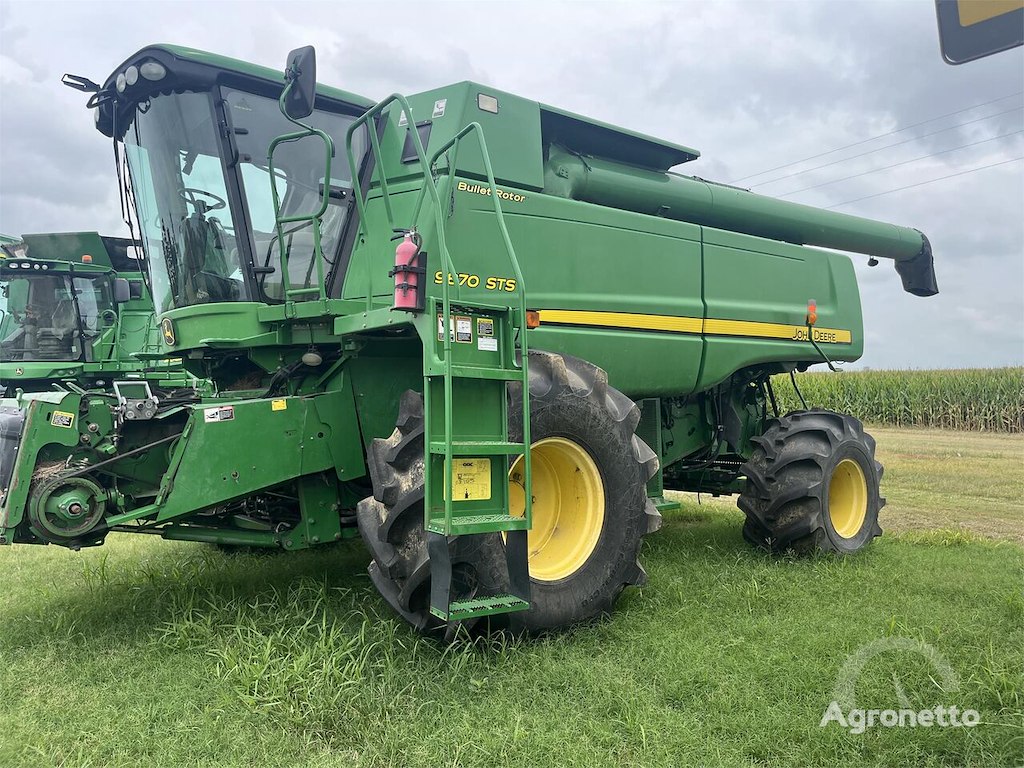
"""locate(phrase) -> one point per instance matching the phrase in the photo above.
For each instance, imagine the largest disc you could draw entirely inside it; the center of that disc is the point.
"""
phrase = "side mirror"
(16, 293)
(300, 74)
(122, 290)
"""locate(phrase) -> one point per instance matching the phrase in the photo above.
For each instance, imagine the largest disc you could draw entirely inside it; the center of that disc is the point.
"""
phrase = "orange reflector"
(86, 258)
(532, 318)
(812, 311)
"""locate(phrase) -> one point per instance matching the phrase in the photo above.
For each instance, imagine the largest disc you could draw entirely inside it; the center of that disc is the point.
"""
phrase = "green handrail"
(364, 120)
(430, 188)
(314, 218)
(453, 144)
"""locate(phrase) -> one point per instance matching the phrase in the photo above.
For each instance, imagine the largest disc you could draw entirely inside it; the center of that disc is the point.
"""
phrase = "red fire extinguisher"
(409, 293)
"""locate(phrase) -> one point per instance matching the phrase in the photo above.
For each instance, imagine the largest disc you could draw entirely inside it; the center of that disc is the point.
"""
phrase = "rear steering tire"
(812, 484)
(590, 508)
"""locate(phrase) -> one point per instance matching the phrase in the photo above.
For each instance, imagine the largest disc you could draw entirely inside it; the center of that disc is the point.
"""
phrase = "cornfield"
(983, 400)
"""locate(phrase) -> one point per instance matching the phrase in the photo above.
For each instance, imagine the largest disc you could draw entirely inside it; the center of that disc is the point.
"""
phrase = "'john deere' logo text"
(167, 329)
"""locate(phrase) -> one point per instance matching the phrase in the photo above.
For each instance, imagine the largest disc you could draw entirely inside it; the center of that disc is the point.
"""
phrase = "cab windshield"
(46, 317)
(198, 244)
(187, 229)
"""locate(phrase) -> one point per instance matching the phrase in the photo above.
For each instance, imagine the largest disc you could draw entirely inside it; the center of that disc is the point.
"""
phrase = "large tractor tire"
(812, 484)
(590, 505)
(391, 525)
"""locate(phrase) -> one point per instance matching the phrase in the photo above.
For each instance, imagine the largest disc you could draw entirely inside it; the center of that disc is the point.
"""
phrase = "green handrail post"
(453, 144)
(430, 188)
(314, 218)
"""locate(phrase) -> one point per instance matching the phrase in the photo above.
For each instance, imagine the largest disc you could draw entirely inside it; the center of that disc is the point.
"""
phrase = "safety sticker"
(440, 328)
(463, 330)
(222, 413)
(471, 480)
(485, 340)
(279, 405)
(62, 419)
(439, 106)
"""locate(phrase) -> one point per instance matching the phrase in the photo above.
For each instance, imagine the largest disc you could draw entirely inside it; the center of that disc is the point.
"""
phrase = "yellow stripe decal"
(622, 320)
(711, 326)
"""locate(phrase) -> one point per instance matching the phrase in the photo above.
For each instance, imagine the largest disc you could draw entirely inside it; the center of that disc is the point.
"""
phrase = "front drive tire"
(812, 484)
(579, 425)
(590, 509)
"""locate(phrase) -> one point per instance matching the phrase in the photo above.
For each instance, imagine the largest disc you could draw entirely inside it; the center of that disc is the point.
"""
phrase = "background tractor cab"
(64, 298)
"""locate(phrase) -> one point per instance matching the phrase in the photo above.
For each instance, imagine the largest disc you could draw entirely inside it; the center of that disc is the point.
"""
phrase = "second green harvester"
(483, 333)
(74, 307)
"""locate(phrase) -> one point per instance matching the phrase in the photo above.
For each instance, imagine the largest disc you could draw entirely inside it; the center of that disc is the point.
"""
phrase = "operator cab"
(49, 312)
(192, 132)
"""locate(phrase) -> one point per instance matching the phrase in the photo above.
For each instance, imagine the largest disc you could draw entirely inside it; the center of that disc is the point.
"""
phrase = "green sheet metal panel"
(763, 287)
(594, 265)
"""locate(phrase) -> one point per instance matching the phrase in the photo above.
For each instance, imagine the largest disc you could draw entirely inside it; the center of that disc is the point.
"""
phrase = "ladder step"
(473, 372)
(469, 524)
(459, 610)
(480, 448)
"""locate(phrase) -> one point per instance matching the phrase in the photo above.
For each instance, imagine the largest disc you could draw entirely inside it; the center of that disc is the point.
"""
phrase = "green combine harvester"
(482, 333)
(74, 307)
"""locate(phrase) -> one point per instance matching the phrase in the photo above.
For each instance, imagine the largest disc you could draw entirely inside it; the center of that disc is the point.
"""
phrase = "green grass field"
(146, 652)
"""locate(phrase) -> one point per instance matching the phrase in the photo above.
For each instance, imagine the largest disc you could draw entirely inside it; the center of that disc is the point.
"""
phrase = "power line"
(887, 146)
(879, 136)
(930, 181)
(894, 165)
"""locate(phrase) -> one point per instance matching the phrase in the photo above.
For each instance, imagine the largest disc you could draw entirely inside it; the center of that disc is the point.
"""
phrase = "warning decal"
(471, 479)
(223, 413)
(62, 419)
(440, 328)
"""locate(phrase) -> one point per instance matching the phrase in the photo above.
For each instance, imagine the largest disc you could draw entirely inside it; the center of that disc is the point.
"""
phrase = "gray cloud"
(752, 85)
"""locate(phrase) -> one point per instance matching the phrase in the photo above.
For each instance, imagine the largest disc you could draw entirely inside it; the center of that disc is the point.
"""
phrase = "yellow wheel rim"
(847, 498)
(568, 507)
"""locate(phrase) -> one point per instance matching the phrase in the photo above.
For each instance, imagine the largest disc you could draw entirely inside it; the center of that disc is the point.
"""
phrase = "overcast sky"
(751, 85)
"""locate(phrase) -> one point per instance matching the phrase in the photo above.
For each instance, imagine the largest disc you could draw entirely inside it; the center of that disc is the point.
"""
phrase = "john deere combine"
(482, 332)
(74, 308)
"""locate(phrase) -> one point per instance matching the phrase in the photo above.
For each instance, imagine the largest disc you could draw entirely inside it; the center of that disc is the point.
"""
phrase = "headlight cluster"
(148, 70)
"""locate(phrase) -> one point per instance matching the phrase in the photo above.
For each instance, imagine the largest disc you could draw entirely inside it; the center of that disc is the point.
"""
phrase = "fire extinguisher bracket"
(404, 286)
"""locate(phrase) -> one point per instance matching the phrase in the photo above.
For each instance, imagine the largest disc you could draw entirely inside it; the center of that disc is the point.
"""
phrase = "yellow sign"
(471, 479)
(972, 29)
(62, 419)
(975, 11)
(279, 405)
